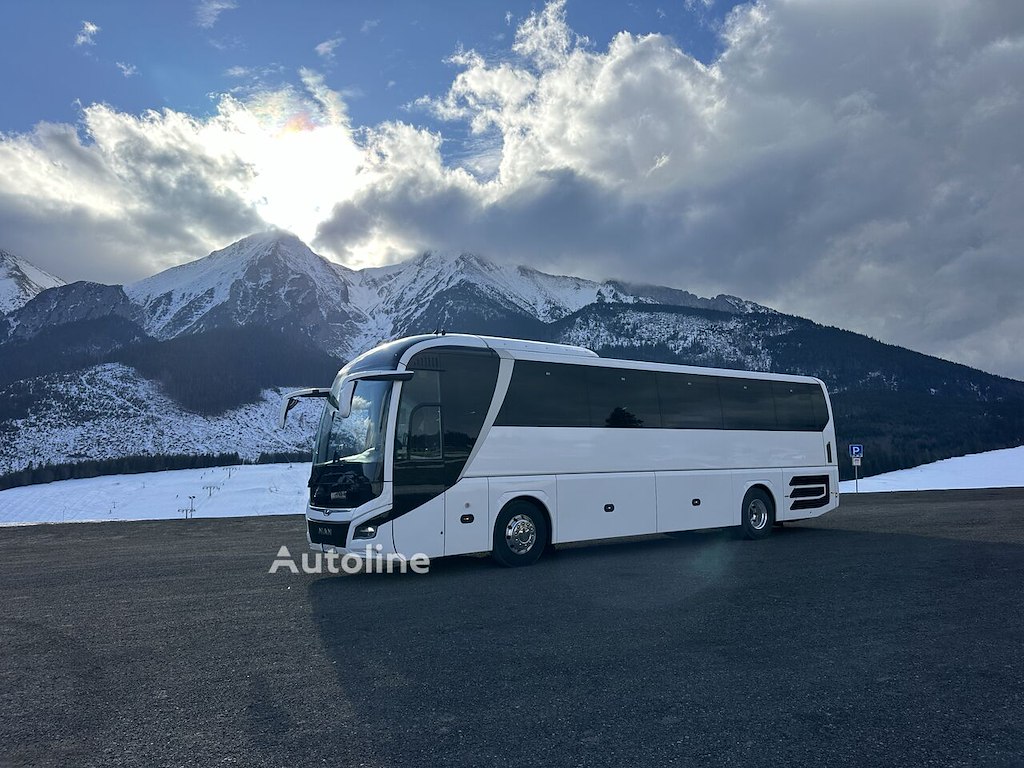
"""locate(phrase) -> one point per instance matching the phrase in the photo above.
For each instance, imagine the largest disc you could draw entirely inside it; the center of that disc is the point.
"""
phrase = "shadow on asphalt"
(680, 648)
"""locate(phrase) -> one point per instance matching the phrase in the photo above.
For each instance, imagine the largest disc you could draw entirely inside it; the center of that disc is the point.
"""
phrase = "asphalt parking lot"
(890, 632)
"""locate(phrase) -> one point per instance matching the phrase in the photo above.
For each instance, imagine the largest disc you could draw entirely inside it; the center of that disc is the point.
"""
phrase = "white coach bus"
(455, 444)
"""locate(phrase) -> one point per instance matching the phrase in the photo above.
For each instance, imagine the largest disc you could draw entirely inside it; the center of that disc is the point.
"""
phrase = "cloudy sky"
(859, 162)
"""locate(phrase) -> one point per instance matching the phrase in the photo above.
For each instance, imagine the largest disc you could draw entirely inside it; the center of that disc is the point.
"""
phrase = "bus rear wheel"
(520, 534)
(757, 514)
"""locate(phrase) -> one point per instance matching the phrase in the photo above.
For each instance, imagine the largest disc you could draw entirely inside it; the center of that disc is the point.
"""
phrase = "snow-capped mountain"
(274, 280)
(20, 281)
(183, 361)
(271, 279)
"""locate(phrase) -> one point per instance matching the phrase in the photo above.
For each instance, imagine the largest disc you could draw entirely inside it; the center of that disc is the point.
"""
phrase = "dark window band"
(564, 395)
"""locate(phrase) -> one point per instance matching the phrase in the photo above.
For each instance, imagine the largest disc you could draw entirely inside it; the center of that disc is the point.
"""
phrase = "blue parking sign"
(856, 451)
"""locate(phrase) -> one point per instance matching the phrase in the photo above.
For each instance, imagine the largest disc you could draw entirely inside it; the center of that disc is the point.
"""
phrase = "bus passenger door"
(418, 487)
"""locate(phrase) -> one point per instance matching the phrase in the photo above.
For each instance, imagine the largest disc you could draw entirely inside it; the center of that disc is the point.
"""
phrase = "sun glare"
(302, 163)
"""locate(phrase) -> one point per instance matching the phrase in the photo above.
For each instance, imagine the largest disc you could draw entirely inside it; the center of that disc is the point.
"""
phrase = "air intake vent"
(809, 491)
(426, 363)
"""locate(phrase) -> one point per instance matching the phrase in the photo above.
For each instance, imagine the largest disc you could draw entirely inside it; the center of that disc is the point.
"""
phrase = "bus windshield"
(359, 437)
(348, 464)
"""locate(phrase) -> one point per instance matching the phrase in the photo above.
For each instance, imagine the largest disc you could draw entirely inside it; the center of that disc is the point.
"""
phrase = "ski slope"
(265, 489)
(992, 469)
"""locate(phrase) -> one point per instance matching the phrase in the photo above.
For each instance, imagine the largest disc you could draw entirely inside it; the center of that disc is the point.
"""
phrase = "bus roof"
(390, 355)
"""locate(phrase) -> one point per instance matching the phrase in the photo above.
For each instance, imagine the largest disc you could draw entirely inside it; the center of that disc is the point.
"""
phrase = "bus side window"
(747, 403)
(423, 440)
(623, 398)
(689, 401)
(415, 419)
(794, 407)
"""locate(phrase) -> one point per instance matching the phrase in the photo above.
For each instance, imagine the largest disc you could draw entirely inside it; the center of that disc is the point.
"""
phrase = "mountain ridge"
(274, 279)
(213, 334)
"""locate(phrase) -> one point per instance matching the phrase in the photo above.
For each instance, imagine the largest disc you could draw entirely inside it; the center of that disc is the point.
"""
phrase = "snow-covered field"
(993, 469)
(280, 489)
(266, 489)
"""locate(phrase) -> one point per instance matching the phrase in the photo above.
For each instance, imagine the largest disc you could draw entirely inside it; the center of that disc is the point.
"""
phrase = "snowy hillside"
(716, 339)
(267, 489)
(992, 469)
(116, 413)
(20, 281)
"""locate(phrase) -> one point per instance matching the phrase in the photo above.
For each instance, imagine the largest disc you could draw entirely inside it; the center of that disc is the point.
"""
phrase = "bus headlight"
(365, 531)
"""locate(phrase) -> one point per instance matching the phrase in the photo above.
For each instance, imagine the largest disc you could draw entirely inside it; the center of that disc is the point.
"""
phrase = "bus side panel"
(744, 479)
(569, 450)
(808, 492)
(421, 530)
(502, 490)
(606, 505)
(467, 526)
(691, 500)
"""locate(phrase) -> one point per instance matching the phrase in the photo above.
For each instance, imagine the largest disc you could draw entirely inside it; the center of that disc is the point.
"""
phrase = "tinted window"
(689, 402)
(417, 430)
(794, 407)
(623, 398)
(546, 395)
(467, 388)
(440, 413)
(424, 435)
(747, 403)
(820, 407)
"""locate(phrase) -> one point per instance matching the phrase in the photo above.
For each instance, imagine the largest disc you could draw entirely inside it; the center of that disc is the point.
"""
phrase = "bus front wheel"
(520, 534)
(758, 514)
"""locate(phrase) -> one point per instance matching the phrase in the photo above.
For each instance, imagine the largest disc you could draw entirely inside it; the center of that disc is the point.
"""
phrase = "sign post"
(856, 454)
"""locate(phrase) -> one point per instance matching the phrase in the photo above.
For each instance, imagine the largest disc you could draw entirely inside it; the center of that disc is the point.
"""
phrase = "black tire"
(757, 515)
(520, 534)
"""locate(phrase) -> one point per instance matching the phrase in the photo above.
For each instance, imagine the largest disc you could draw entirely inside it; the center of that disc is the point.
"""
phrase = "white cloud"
(133, 194)
(127, 69)
(87, 34)
(208, 11)
(325, 50)
(369, 25)
(855, 161)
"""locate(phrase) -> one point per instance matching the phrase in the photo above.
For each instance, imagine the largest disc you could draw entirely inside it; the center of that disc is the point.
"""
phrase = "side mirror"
(345, 398)
(292, 399)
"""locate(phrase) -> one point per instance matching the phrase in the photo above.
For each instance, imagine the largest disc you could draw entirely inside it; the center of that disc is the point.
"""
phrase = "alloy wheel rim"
(520, 534)
(757, 514)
